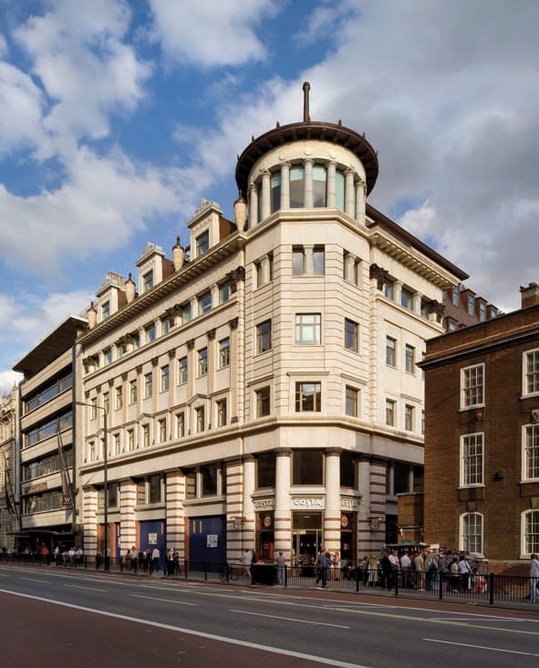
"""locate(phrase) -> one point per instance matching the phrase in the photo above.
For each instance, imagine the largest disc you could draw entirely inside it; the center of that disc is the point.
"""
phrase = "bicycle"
(228, 573)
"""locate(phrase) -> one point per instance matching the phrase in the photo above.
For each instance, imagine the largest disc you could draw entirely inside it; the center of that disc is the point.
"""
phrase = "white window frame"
(479, 404)
(525, 458)
(525, 391)
(462, 467)
(524, 545)
(393, 350)
(301, 327)
(411, 369)
(463, 546)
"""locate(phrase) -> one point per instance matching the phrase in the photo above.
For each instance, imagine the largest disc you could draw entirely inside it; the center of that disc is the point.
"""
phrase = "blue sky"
(118, 116)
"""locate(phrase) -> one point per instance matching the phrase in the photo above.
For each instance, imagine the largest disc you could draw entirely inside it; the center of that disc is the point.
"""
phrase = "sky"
(118, 116)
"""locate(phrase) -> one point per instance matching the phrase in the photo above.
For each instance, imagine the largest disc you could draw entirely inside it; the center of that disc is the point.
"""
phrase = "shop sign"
(264, 504)
(349, 503)
(308, 503)
(152, 539)
(212, 540)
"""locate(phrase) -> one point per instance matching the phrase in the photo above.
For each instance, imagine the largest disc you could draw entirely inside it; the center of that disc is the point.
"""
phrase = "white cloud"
(211, 34)
(7, 380)
(85, 68)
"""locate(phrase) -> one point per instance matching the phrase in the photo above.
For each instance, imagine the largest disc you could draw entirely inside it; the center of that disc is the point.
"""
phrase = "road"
(52, 617)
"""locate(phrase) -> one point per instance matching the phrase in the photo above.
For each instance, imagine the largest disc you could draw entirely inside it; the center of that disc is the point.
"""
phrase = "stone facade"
(8, 476)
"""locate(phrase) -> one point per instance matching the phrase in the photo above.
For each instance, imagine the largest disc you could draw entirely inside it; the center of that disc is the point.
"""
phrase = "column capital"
(233, 324)
(171, 354)
(190, 344)
(211, 334)
(283, 452)
(333, 451)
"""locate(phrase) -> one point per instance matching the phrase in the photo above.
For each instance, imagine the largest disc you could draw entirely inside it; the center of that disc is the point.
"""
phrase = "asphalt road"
(56, 618)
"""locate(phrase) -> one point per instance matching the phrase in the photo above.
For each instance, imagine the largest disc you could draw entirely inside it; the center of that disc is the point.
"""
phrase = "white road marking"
(35, 580)
(164, 600)
(199, 634)
(87, 588)
(490, 649)
(290, 619)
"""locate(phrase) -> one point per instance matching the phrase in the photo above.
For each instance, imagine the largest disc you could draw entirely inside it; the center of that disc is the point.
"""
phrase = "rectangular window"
(409, 359)
(224, 353)
(319, 260)
(182, 370)
(131, 440)
(225, 291)
(297, 186)
(165, 378)
(105, 310)
(388, 288)
(472, 533)
(204, 303)
(472, 458)
(307, 467)
(298, 261)
(180, 425)
(162, 431)
(166, 325)
(275, 184)
(93, 408)
(531, 452)
(106, 403)
(150, 333)
(471, 305)
(351, 335)
(202, 362)
(200, 418)
(531, 372)
(391, 351)
(263, 405)
(133, 391)
(308, 329)
(390, 412)
(472, 386)
(308, 397)
(145, 435)
(456, 297)
(148, 385)
(116, 444)
(407, 299)
(531, 532)
(203, 243)
(263, 336)
(265, 469)
(409, 417)
(482, 311)
(352, 401)
(208, 476)
(154, 489)
(348, 470)
(185, 313)
(107, 356)
(119, 398)
(221, 413)
(147, 281)
(319, 185)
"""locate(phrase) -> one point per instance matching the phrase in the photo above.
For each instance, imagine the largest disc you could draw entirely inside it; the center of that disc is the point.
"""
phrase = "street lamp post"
(106, 558)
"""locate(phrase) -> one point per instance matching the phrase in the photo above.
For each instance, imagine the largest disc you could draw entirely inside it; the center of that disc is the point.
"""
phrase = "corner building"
(261, 387)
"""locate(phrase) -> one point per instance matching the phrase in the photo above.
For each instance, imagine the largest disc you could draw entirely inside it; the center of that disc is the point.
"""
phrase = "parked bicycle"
(229, 572)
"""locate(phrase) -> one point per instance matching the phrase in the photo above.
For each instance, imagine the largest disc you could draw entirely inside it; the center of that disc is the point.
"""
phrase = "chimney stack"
(178, 255)
(529, 295)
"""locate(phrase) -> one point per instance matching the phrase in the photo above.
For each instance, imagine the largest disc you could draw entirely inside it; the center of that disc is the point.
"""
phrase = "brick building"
(482, 437)
(463, 307)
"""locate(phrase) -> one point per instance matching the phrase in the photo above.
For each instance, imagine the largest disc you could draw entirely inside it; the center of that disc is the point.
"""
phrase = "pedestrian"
(386, 566)
(464, 571)
(281, 568)
(156, 555)
(133, 559)
(419, 566)
(323, 563)
(406, 567)
(534, 577)
(176, 561)
(247, 560)
(170, 562)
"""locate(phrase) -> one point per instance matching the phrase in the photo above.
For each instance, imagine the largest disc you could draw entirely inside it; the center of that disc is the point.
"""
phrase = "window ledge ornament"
(379, 274)
(190, 344)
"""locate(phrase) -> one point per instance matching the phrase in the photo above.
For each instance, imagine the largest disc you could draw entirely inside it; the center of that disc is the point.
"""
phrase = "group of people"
(147, 560)
(328, 566)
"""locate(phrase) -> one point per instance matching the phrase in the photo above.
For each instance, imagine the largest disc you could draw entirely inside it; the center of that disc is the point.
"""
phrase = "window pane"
(531, 455)
(348, 466)
(339, 189)
(209, 479)
(308, 329)
(352, 401)
(318, 261)
(266, 469)
(319, 185)
(263, 402)
(264, 336)
(296, 186)
(308, 397)
(307, 467)
(276, 191)
(298, 261)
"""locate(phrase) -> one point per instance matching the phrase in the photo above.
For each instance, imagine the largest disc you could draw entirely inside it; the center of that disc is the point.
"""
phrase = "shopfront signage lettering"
(348, 503)
(308, 503)
(264, 504)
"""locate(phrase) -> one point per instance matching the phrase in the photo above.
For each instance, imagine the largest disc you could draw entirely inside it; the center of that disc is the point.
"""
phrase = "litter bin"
(265, 574)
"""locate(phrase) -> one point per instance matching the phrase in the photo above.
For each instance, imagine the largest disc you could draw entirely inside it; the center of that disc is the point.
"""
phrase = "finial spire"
(306, 89)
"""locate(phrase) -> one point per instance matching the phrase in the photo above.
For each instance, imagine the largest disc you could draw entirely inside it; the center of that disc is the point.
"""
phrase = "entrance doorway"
(306, 537)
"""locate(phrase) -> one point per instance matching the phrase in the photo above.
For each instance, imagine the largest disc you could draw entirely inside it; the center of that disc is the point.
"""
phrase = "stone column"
(266, 194)
(332, 194)
(332, 515)
(308, 183)
(411, 479)
(283, 518)
(191, 369)
(397, 291)
(265, 269)
(211, 366)
(253, 205)
(391, 478)
(175, 511)
(128, 523)
(350, 267)
(234, 502)
(89, 518)
(417, 302)
(363, 528)
(361, 196)
(349, 197)
(249, 478)
(285, 185)
(308, 260)
(234, 389)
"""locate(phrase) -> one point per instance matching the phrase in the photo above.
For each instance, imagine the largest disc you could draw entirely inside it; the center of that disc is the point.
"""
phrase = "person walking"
(323, 562)
(247, 560)
(281, 567)
(534, 577)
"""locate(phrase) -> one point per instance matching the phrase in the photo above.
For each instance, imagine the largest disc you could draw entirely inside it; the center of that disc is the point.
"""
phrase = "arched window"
(530, 532)
(275, 191)
(319, 185)
(297, 180)
(471, 533)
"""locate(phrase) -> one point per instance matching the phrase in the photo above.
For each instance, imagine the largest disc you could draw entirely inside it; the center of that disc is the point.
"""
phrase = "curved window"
(275, 191)
(471, 537)
(319, 185)
(339, 189)
(530, 532)
(297, 181)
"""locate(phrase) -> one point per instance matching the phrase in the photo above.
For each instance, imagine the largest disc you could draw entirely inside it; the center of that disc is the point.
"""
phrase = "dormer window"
(471, 305)
(203, 243)
(147, 281)
(105, 310)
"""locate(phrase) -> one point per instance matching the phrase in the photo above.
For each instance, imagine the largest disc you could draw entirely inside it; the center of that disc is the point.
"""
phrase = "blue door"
(207, 540)
(153, 534)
